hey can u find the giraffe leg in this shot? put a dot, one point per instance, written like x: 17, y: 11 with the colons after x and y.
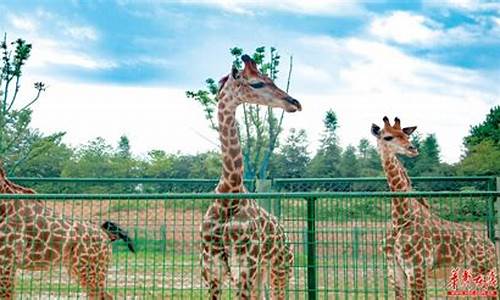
x: 280, y: 276
x: 91, y: 273
x: 7, y: 280
x: 244, y: 273
x: 395, y: 273
x: 213, y: 270
x: 417, y: 282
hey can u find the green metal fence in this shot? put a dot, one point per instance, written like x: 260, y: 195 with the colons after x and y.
x: 336, y: 238
x: 169, y: 185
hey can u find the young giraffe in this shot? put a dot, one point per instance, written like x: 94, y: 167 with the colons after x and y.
x: 420, y: 241
x: 34, y: 237
x: 239, y: 238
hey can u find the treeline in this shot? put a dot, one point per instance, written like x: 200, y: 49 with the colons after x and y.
x: 98, y: 158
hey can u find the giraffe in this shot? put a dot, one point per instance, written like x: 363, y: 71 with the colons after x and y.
x: 34, y: 237
x: 420, y: 241
x: 240, y: 238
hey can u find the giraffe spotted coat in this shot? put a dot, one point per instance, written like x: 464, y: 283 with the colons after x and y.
x: 240, y: 239
x: 35, y: 237
x: 420, y: 241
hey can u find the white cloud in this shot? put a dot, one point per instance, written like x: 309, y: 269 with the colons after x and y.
x: 82, y: 32
x: 361, y: 80
x: 382, y: 80
x: 413, y: 29
x: 464, y: 5
x: 152, y: 117
x: 317, y: 7
x: 49, y: 52
x: 22, y: 23
x: 405, y: 28
x: 60, y: 48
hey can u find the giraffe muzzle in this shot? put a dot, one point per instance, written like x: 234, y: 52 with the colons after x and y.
x: 293, y: 104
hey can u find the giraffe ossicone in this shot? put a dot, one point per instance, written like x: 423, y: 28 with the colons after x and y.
x: 420, y: 241
x: 239, y: 238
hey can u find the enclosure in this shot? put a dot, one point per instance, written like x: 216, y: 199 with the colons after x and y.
x: 334, y: 225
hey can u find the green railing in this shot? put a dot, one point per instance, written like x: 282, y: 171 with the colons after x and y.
x: 379, y: 184
x: 336, y: 238
x: 169, y: 185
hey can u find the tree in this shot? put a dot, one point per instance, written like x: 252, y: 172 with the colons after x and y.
x: 91, y: 160
x: 124, y: 147
x: 259, y: 128
x: 293, y: 157
x: 481, y: 159
x: 488, y: 130
x: 326, y: 161
x: 349, y: 164
x: 428, y: 162
x: 369, y: 159
x: 18, y: 143
x: 482, y: 153
x: 50, y: 163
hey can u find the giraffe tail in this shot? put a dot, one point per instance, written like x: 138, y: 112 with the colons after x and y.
x: 115, y: 232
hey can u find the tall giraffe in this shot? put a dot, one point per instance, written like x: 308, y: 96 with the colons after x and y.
x: 420, y: 241
x: 34, y: 237
x: 240, y: 238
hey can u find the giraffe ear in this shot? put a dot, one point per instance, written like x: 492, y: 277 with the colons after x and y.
x: 235, y: 73
x: 375, y: 130
x: 409, y: 130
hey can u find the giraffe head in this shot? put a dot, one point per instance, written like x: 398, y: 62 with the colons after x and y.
x: 394, y: 138
x: 251, y: 86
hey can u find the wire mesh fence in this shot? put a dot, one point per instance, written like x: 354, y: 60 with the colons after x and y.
x: 378, y: 184
x: 121, y: 185
x: 336, y: 239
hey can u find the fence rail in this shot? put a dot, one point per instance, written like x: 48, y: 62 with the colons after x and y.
x: 336, y: 238
x: 172, y: 185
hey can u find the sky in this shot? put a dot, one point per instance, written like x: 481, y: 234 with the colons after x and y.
x: 122, y: 67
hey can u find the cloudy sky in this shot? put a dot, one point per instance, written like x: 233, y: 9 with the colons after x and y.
x: 122, y: 67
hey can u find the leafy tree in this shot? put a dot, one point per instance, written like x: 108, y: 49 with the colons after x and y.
x: 369, y: 159
x: 326, y: 162
x: 50, y: 163
x: 482, y: 153
x: 18, y: 143
x: 260, y: 127
x: 293, y: 157
x: 488, y: 130
x: 428, y: 162
x: 91, y: 160
x: 482, y: 159
x: 124, y: 147
x: 349, y: 164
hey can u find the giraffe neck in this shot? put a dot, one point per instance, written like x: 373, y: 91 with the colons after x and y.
x: 232, y: 158
x: 398, y: 180
x: 396, y: 174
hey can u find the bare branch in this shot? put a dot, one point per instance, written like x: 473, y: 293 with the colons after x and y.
x: 40, y: 86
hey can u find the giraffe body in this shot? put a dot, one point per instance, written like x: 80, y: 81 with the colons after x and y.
x: 240, y: 239
x: 34, y: 237
x: 420, y: 241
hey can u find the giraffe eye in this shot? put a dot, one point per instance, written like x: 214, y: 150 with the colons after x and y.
x: 388, y: 138
x: 257, y: 85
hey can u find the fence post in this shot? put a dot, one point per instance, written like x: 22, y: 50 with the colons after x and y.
x: 492, y: 186
x: 311, y: 249
x: 497, y: 204
x: 264, y: 186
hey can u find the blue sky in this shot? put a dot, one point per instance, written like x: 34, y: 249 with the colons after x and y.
x: 117, y: 67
